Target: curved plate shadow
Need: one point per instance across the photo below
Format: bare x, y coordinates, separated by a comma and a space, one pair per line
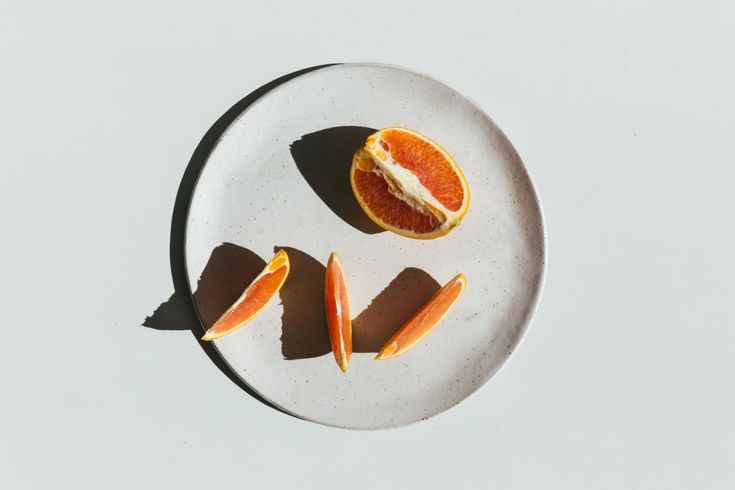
324, 159
180, 308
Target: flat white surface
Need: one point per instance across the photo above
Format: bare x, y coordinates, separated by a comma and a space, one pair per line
624, 113
254, 192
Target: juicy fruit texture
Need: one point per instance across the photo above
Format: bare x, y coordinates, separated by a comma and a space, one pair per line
255, 297
337, 304
424, 320
408, 184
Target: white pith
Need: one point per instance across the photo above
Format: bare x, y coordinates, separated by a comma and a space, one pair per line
410, 189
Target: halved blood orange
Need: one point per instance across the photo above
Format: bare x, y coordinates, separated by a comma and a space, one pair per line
409, 184
337, 304
424, 320
255, 297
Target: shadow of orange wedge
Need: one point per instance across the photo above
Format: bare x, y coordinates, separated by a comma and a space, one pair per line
255, 297
424, 320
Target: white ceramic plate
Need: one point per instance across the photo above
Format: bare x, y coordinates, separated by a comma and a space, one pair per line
278, 178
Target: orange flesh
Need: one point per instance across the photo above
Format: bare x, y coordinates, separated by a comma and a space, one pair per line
373, 190
424, 320
426, 199
337, 305
253, 299
428, 164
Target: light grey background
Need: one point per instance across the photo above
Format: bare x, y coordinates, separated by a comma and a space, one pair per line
624, 113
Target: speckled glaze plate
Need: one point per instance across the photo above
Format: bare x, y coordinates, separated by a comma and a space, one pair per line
278, 178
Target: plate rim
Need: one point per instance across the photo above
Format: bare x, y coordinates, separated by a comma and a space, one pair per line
537, 293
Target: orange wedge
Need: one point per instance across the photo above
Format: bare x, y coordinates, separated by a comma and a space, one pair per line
409, 184
255, 297
337, 304
424, 320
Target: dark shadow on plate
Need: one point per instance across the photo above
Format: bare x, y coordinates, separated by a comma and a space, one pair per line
388, 310
304, 328
324, 158
178, 312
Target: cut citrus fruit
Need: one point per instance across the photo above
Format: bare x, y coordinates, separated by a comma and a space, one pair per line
337, 304
253, 299
424, 320
408, 184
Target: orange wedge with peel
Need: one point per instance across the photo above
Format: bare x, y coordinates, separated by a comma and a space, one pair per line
255, 297
424, 320
337, 304
409, 184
